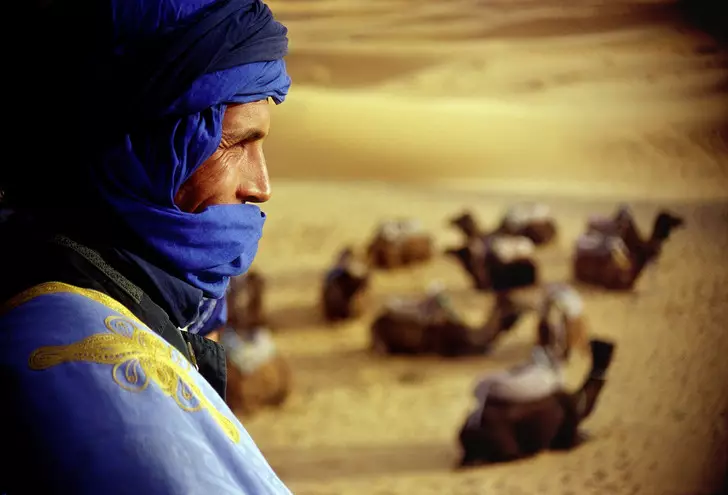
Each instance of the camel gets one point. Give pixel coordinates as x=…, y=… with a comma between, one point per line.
x=258, y=376
x=431, y=326
x=245, y=301
x=616, y=262
x=399, y=243
x=532, y=220
x=623, y=225
x=498, y=262
x=526, y=410
x=343, y=288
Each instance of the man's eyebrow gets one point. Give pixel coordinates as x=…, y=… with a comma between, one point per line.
x=245, y=135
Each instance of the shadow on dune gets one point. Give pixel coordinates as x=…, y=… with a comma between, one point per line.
x=317, y=463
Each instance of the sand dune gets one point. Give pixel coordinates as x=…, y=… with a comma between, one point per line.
x=503, y=91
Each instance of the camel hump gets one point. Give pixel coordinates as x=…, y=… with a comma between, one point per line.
x=619, y=251
x=531, y=381
x=357, y=268
x=410, y=226
x=566, y=299
x=404, y=307
x=249, y=354
x=435, y=288
x=601, y=244
x=624, y=213
x=512, y=248
x=520, y=215
x=389, y=231
x=397, y=303
x=601, y=224
x=395, y=230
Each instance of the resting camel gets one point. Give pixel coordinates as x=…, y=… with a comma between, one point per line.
x=399, y=243
x=616, y=262
x=622, y=224
x=343, y=288
x=525, y=410
x=532, y=220
x=245, y=301
x=498, y=262
x=431, y=326
x=258, y=376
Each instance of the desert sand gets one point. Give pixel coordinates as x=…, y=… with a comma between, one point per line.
x=358, y=423
x=423, y=108
x=525, y=92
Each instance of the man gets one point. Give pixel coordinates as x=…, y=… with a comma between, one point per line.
x=142, y=127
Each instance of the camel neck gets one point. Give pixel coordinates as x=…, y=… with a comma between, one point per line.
x=586, y=397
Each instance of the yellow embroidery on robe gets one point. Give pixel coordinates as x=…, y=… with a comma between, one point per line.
x=138, y=358
x=56, y=287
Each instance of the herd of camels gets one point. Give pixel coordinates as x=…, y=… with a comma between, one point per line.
x=521, y=410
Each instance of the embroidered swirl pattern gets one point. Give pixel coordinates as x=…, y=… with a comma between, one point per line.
x=139, y=358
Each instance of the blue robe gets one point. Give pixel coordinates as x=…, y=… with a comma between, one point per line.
x=100, y=404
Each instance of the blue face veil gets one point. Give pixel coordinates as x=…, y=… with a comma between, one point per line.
x=165, y=78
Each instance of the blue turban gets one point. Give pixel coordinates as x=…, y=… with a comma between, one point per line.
x=165, y=75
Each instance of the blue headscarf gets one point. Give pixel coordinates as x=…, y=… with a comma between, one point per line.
x=170, y=86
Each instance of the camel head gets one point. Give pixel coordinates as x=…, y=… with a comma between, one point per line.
x=351, y=282
x=463, y=255
x=347, y=263
x=345, y=256
x=665, y=223
x=465, y=222
x=602, y=352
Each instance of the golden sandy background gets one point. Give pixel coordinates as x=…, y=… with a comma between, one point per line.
x=618, y=95
x=422, y=108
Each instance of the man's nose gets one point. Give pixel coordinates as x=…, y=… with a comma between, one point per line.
x=255, y=184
